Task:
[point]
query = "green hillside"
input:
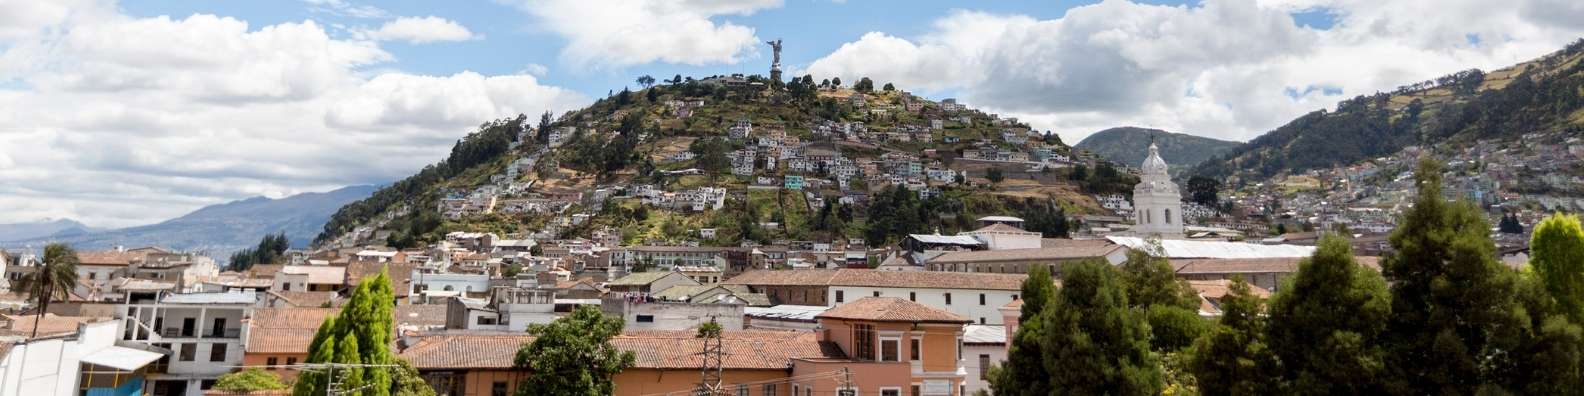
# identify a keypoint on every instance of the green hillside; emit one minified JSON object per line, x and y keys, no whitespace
{"x":1129,"y":145}
{"x":674,"y":137}
{"x":1546,"y":94}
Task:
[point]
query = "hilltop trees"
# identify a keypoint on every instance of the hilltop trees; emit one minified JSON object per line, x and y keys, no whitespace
{"x":577,"y":349}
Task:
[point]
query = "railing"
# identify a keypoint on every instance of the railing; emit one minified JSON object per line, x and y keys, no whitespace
{"x":177,"y":333}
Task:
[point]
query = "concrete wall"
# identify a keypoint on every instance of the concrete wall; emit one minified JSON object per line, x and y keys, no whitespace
{"x":51,"y":366}
{"x":964,"y":302}
{"x":971,"y":362}
{"x":673,"y":316}
{"x":471,"y":283}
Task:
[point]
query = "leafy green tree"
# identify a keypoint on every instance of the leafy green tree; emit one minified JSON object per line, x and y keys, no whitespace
{"x":250,"y":380}
{"x":995,"y":174}
{"x":836,"y":81}
{"x":1234,"y":359}
{"x":1558,"y":259}
{"x":646,"y":81}
{"x":1203,"y":190}
{"x":1024,"y":371}
{"x":270,"y":250}
{"x":573,"y":355}
{"x":1452,"y":312}
{"x":864,"y":85}
{"x":1326,"y":323}
{"x":1549,"y":356}
{"x":1047,"y":218}
{"x":888,"y":87}
{"x":55,"y":278}
{"x":1510,"y":225}
{"x":1094,"y":344}
{"x":1170,"y":306}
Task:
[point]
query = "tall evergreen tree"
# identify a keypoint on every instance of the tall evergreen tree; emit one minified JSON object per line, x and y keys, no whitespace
{"x":1024,"y":371}
{"x":1325,"y":324}
{"x":1170,"y":306}
{"x":364,"y":320}
{"x":1234,"y":358}
{"x":1558,"y":259}
{"x":1452,"y":309}
{"x":1094,"y":344}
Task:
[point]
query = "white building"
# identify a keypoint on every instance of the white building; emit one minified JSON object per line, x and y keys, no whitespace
{"x":202,"y":333}
{"x":84,"y":361}
{"x":983,"y":346}
{"x":1156,"y":200}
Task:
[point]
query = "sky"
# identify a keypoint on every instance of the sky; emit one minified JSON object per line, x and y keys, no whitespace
{"x":120,"y":113}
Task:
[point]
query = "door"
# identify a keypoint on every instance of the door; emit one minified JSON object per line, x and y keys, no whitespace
{"x":219,"y":327}
{"x":188,"y":324}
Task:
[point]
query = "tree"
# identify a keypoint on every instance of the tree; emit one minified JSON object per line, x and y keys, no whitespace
{"x":995,"y":175}
{"x":1170,"y":306}
{"x":1024,"y":371}
{"x":269,"y":251}
{"x":1452,"y":308}
{"x":1326,"y":323}
{"x":1203,"y":190}
{"x":864,"y":85}
{"x":836,"y":82}
{"x":1558,"y":259}
{"x":1080,"y":172}
{"x":364,"y":320}
{"x":1234,"y":358}
{"x":1094,"y":344}
{"x":1047,"y":218}
{"x":1510,"y":225}
{"x":250,"y":380}
{"x":646,"y":81}
{"x":888,"y":87}
{"x":542,"y":133}
{"x":55,"y":278}
{"x":573,"y":355}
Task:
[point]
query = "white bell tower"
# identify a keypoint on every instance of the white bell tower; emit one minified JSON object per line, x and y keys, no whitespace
{"x":1157,"y":206}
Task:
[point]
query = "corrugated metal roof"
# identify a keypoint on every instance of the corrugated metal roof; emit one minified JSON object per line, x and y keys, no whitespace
{"x":1215,"y":249}
{"x":946,"y":239}
{"x":984,"y":334}
{"x":786,"y":312}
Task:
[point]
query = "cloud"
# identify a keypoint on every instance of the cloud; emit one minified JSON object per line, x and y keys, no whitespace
{"x":420,"y":30}
{"x":346,"y":9}
{"x":622,"y":33}
{"x":117,"y":120}
{"x":1224,"y":68}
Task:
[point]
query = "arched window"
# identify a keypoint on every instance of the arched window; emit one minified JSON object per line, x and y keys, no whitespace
{"x":1168,"y":216}
{"x":1146,"y":216}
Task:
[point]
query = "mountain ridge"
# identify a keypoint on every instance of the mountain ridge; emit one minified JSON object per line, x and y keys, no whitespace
{"x":1129,"y":145}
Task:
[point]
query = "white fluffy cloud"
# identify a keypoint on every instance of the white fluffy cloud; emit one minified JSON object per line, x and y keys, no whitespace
{"x":1226,"y":68}
{"x":420,"y":30}
{"x":632,"y":32}
{"x":116,"y":120}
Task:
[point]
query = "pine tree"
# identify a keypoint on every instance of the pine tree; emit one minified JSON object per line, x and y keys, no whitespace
{"x":1094,"y":344}
{"x":1326,"y":323}
{"x":364,"y":320}
{"x":1234,"y":358}
{"x":1024,"y":370}
{"x":1170,"y":306}
{"x":1452,"y":313}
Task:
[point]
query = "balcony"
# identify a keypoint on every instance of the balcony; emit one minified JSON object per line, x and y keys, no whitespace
{"x":221,"y":333}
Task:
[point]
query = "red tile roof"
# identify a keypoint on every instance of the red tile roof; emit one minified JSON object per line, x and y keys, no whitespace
{"x":1254,"y":265}
{"x":284,"y":330}
{"x":873,"y":278}
{"x":889,"y":309}
{"x":749,"y":349}
{"x":108,"y":258}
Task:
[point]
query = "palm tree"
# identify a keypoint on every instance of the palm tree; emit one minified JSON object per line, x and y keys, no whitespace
{"x":56,"y":276}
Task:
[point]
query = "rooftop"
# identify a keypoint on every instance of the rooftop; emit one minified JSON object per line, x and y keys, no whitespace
{"x":318,"y":274}
{"x":1253,"y":265}
{"x":873,"y":278}
{"x":1173,"y":248}
{"x":248,"y":298}
{"x":641,"y":278}
{"x":888,"y":309}
{"x":978,"y":334}
{"x":1076,"y":251}
{"x":748,"y":349}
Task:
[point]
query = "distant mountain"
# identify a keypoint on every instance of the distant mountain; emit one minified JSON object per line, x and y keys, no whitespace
{"x":43,"y":228}
{"x":1129,"y":146}
{"x":223,"y":228}
{"x":1455,"y":110}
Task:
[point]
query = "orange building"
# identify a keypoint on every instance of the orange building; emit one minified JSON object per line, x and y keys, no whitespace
{"x":874,"y":346}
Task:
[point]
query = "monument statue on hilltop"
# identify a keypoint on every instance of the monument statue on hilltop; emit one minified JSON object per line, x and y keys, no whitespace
{"x":775,"y":64}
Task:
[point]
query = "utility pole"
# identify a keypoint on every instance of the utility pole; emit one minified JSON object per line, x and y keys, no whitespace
{"x":847,"y":384}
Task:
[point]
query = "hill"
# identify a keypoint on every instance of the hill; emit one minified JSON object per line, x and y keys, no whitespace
{"x":220,"y":229}
{"x":728,"y":159}
{"x":43,"y":228}
{"x":1542,"y":95}
{"x":1129,"y":146}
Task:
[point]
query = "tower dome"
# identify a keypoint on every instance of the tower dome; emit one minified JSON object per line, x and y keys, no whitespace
{"x":1156,"y":201}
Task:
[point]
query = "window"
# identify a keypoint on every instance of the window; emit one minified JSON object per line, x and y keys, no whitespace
{"x":863,"y":341}
{"x":981,"y":299}
{"x":92,"y":275}
{"x":769,"y":390}
{"x":498,"y":388}
{"x":877,"y":293}
{"x":189,"y":352}
{"x":840,"y":297}
{"x":890,"y":348}
{"x":742,"y":390}
{"x":270,"y":362}
{"x":984,"y":366}
{"x":1014,"y":297}
{"x":286,"y":286}
{"x":217,"y":352}
{"x":948,"y":298}
{"x":291,"y":361}
{"x":912,"y":296}
{"x":981,"y":320}
{"x":486,"y":320}
{"x":795,"y":390}
{"x":913,"y":348}
{"x":890,"y":391}
{"x":914,"y":390}
{"x":645,"y":318}
{"x":1168,"y":216}
{"x":959,"y":349}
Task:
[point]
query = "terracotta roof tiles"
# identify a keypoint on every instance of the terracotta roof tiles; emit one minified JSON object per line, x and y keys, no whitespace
{"x":888,"y":309}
